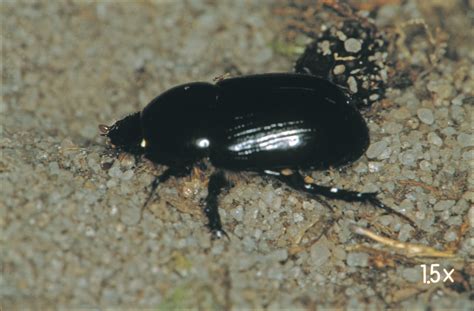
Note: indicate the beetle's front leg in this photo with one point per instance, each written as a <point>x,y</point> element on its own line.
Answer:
<point>169,172</point>
<point>217,182</point>
<point>306,184</point>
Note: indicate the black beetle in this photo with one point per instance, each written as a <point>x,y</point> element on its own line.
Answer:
<point>274,124</point>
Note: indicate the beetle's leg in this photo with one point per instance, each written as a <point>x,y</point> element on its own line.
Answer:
<point>217,182</point>
<point>306,184</point>
<point>169,172</point>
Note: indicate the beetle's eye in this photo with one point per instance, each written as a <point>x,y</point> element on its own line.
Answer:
<point>143,143</point>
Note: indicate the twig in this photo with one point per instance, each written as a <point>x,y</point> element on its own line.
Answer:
<point>409,249</point>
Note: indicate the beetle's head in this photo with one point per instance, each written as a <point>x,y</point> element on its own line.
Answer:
<point>125,134</point>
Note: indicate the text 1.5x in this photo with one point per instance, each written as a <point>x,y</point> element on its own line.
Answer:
<point>431,275</point>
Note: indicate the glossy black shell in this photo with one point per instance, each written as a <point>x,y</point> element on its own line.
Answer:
<point>267,121</point>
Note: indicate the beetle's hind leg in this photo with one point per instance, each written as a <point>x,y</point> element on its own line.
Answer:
<point>306,184</point>
<point>217,182</point>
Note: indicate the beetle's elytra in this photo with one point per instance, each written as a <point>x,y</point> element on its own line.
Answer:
<point>274,124</point>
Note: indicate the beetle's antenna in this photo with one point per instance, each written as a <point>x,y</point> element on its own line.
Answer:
<point>104,129</point>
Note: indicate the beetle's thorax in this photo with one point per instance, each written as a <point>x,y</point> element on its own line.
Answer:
<point>176,124</point>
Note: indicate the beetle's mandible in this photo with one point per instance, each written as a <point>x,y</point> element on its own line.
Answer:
<point>274,124</point>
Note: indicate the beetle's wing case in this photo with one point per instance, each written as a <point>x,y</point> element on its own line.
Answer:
<point>285,120</point>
